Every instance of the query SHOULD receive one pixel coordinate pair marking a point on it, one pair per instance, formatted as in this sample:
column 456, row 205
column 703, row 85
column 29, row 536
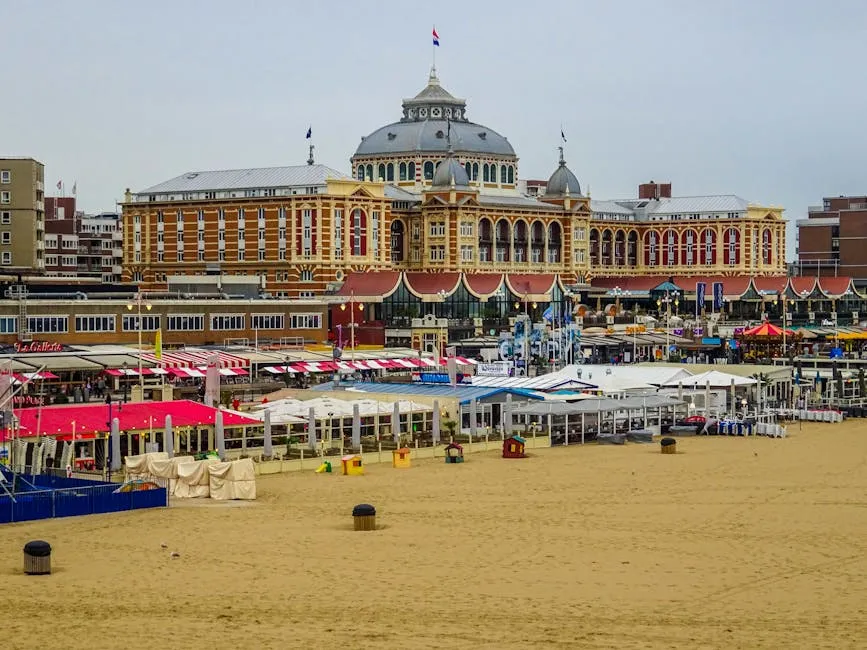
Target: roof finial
column 310, row 160
column 562, row 159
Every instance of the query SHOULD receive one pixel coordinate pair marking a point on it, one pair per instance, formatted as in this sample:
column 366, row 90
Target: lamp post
column 352, row 304
column 670, row 297
column 441, row 344
column 138, row 305
column 125, row 383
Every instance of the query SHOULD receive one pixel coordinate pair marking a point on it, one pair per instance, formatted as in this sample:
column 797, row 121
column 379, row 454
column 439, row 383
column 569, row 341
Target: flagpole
column 433, row 48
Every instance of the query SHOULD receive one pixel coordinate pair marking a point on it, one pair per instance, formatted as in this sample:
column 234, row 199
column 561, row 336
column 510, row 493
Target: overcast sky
column 764, row 99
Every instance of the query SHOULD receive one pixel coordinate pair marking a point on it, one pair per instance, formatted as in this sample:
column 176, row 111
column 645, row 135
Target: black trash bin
column 37, row 558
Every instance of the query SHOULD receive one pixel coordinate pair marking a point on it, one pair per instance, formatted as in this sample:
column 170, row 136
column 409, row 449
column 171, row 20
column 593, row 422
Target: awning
column 186, row 373
column 195, row 358
column 133, row 372
column 24, row 377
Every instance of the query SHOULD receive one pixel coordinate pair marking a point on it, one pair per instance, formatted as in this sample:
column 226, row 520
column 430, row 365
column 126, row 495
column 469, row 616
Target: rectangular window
column 466, row 253
column 5, row 176
column 6, row 258
column 5, row 217
column 437, row 229
column 306, row 275
column 160, row 217
column 241, row 234
column 579, row 256
column 374, row 227
column 149, row 322
column 95, row 324
column 467, row 228
column 6, row 238
column 307, row 230
column 180, row 219
column 221, row 255
column 201, row 236
column 51, row 260
column 306, row 321
column 437, row 253
column 268, row 321
column 48, row 324
column 200, row 256
column 200, row 217
column 242, row 255
column 261, row 254
column 281, row 254
column 338, row 234
column 186, row 323
column 224, row 322
column 180, row 256
column 8, row 325
column 5, row 197
column 261, row 234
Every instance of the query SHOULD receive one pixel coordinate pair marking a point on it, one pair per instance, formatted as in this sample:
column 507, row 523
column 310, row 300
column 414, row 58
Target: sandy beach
column 731, row 543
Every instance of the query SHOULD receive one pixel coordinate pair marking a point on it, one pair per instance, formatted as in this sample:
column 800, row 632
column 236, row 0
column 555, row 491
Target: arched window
column 767, row 247
column 521, row 241
column 620, row 248
column 632, row 249
column 389, row 172
column 401, row 170
column 669, row 248
column 732, row 251
column 594, row 246
column 555, row 243
column 504, row 240
column 651, row 248
column 469, row 169
column 485, row 176
column 369, row 172
column 475, row 175
column 689, row 247
column 380, row 172
column 537, row 241
column 360, row 173
column 397, row 240
column 411, row 172
column 493, row 173
column 504, row 174
column 707, row 248
column 511, row 177
column 485, row 240
column 606, row 248
column 428, row 170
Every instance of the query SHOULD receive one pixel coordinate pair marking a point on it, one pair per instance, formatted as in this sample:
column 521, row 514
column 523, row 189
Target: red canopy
column 766, row 329
column 90, row 419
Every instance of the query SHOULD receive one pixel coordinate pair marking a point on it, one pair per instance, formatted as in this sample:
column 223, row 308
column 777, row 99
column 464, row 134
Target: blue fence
column 60, row 499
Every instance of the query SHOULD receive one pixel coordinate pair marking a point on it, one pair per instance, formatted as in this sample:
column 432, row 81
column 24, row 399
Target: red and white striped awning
column 410, row 363
column 24, row 377
column 133, row 372
column 195, row 358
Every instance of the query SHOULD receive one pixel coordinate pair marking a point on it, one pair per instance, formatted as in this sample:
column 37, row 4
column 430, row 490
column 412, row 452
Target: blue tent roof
column 465, row 394
column 667, row 286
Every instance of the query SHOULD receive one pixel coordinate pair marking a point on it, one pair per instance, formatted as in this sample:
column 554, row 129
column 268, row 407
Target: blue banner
column 700, row 289
column 717, row 296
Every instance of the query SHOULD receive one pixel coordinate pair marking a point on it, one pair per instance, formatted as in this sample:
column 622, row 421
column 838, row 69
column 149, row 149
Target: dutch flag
column 436, row 37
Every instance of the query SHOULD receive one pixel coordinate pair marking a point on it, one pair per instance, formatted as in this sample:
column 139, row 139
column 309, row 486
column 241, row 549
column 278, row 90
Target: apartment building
column 79, row 245
column 22, row 215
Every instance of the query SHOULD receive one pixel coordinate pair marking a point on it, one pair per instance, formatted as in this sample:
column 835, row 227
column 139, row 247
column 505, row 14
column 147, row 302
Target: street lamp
column 138, row 305
column 125, row 383
column 352, row 320
column 670, row 297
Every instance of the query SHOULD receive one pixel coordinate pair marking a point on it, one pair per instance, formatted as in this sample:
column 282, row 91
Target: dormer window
column 392, row 136
column 436, row 111
column 440, row 134
column 483, row 135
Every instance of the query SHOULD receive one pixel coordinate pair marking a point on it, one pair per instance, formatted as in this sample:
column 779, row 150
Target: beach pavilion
column 86, row 426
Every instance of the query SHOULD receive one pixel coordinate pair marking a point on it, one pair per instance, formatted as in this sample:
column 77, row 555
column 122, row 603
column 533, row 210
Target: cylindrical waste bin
column 364, row 517
column 37, row 558
column 668, row 445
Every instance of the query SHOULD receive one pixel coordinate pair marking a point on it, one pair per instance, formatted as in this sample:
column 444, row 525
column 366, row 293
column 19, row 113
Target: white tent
column 714, row 379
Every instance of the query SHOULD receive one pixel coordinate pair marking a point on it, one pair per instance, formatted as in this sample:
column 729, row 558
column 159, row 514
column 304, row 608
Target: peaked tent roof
column 714, row 378
column 766, row 329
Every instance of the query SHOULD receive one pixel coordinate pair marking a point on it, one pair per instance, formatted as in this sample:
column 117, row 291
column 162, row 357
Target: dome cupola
column 562, row 182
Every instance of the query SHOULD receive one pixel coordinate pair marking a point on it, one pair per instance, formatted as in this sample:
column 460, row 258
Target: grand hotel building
column 433, row 212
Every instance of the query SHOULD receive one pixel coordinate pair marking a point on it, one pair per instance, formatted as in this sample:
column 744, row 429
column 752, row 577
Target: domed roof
column 563, row 181
column 450, row 171
column 427, row 118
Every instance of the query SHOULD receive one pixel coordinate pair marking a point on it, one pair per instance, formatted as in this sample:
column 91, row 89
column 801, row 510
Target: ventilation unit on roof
column 190, row 176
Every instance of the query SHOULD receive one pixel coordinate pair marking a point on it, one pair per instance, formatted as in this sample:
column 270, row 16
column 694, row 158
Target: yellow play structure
column 324, row 468
column 352, row 465
column 400, row 458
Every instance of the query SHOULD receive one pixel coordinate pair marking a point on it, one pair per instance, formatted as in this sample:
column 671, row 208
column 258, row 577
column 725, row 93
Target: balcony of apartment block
column 117, row 235
column 40, row 186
